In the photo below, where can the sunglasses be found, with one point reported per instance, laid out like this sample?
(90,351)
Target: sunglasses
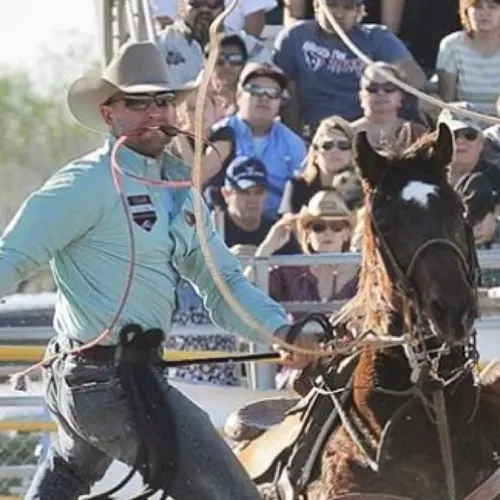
(260,91)
(336,226)
(138,102)
(233,59)
(341,145)
(469,134)
(210,4)
(375,88)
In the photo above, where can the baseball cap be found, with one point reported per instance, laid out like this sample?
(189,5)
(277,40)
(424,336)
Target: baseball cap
(457,122)
(245,172)
(269,69)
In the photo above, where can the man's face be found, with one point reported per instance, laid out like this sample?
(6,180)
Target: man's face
(247,203)
(125,114)
(199,14)
(259,100)
(346,13)
(229,65)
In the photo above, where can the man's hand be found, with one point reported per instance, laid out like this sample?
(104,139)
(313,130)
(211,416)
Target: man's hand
(294,359)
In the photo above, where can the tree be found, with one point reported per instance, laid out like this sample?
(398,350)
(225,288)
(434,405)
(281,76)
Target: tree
(37,135)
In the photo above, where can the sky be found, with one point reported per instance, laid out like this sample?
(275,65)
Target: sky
(30,29)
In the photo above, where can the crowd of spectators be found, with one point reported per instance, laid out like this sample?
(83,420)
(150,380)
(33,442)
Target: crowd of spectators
(281,116)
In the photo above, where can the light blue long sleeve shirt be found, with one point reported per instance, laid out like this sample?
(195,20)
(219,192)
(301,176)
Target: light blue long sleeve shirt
(77,222)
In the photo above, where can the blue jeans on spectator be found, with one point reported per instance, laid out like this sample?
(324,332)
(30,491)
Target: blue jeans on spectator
(95,427)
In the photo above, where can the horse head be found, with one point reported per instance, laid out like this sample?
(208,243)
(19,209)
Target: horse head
(417,245)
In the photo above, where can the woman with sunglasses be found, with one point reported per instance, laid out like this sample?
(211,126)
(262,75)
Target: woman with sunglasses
(468,60)
(382,103)
(330,153)
(324,226)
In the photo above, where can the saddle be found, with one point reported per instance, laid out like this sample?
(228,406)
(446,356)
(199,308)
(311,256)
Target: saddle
(287,452)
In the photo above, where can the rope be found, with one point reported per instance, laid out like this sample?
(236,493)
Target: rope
(393,79)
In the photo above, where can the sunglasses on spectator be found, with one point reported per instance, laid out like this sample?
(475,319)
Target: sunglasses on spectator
(141,102)
(386,87)
(210,4)
(320,226)
(234,59)
(469,134)
(260,91)
(341,145)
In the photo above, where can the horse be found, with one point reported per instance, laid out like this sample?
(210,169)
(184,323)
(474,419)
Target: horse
(410,416)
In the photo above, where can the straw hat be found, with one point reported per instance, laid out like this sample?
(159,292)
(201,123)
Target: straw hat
(326,204)
(137,68)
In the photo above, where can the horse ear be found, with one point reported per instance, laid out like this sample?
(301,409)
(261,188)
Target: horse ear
(369,163)
(445,146)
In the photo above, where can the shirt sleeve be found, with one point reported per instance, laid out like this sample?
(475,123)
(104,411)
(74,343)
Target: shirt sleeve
(265,311)
(388,47)
(284,53)
(63,210)
(446,58)
(299,152)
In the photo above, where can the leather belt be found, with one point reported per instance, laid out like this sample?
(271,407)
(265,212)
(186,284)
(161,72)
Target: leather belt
(119,353)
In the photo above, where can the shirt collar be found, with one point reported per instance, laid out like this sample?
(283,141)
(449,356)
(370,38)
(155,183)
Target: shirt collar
(168,166)
(245,126)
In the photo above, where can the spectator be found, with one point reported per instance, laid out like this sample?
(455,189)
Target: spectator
(329,153)
(491,149)
(249,15)
(182,43)
(481,201)
(469,141)
(324,73)
(243,223)
(468,60)
(224,80)
(324,226)
(258,131)
(406,18)
(382,102)
(221,148)
(303,9)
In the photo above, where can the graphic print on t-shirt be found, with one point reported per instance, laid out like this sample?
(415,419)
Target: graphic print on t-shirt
(335,61)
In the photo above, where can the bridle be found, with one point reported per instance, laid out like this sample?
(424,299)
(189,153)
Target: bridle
(425,362)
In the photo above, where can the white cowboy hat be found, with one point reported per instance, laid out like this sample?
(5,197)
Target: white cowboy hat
(137,68)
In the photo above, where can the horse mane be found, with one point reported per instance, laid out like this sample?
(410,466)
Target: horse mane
(377,296)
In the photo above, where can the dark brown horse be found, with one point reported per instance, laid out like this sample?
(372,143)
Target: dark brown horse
(393,433)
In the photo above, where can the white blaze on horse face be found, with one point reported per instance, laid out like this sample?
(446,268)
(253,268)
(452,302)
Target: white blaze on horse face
(419,192)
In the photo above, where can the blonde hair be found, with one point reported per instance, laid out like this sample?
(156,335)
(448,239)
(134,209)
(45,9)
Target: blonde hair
(327,125)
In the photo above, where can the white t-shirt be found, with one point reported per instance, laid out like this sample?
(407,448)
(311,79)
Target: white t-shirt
(235,20)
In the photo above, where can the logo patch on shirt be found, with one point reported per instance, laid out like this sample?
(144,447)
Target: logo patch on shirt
(190,218)
(143,211)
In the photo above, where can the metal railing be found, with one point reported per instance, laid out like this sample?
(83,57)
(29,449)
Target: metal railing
(18,347)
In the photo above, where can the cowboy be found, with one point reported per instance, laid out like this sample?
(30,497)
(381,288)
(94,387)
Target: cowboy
(84,225)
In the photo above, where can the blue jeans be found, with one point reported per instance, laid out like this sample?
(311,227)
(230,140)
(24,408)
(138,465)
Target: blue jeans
(95,427)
